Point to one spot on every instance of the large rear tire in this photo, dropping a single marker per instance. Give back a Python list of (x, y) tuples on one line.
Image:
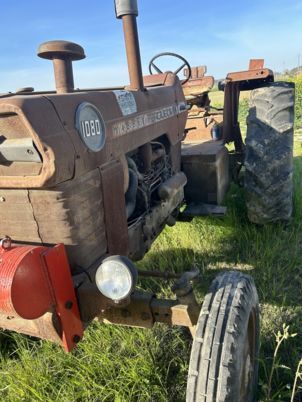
[(269, 153), (224, 357)]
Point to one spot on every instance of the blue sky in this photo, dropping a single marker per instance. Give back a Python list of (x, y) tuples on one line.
[(221, 34)]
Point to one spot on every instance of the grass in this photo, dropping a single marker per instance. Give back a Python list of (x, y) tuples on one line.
[(119, 364)]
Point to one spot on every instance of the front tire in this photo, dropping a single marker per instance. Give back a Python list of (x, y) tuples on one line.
[(224, 357)]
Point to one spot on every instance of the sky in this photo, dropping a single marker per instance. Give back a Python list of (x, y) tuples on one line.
[(223, 35)]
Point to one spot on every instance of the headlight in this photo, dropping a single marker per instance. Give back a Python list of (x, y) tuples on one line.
[(116, 277)]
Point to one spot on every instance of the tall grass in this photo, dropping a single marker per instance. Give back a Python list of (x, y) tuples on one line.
[(120, 364)]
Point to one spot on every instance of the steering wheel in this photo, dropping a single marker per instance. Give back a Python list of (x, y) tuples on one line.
[(184, 64)]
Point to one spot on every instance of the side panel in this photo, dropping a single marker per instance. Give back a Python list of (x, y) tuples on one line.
[(71, 213), (115, 208), (206, 166)]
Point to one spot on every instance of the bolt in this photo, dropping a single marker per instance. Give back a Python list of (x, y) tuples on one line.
[(76, 338), (2, 199), (30, 152), (68, 305), (6, 243)]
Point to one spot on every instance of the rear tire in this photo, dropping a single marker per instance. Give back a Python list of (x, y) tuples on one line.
[(224, 357), (269, 153)]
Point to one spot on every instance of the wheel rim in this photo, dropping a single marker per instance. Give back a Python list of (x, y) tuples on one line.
[(247, 375)]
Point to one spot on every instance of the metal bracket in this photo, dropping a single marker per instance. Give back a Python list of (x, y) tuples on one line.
[(18, 150), (145, 309), (66, 304), (201, 209)]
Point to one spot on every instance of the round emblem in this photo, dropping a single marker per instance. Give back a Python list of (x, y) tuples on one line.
[(90, 126)]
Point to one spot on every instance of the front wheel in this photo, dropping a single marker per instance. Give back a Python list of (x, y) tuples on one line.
[(224, 357)]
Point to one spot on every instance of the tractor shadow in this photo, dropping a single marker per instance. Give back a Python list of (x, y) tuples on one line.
[(272, 254)]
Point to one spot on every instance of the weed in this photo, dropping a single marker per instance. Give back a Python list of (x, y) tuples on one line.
[(281, 336), (298, 376)]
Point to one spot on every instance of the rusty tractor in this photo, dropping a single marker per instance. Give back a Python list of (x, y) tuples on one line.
[(90, 177)]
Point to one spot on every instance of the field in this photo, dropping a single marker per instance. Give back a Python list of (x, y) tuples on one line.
[(119, 364)]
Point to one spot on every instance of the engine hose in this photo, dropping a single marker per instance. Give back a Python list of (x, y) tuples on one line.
[(131, 193), (132, 165)]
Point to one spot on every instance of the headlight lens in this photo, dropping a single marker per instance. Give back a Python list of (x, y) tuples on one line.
[(116, 278)]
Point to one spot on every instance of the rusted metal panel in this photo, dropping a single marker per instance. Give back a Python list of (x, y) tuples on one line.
[(48, 135), (199, 115), (59, 144), (196, 72), (44, 327), (256, 64), (16, 216), (12, 126), (84, 242), (18, 169), (231, 128), (200, 123), (198, 86), (175, 154), (75, 217), (207, 170), (156, 115), (234, 83), (115, 208), (155, 80), (250, 75)]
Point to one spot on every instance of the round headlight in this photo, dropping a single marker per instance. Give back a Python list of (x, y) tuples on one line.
[(116, 277)]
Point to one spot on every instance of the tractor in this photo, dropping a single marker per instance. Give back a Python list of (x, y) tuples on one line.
[(89, 178)]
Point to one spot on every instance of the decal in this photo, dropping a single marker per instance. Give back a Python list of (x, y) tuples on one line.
[(126, 102), (144, 120)]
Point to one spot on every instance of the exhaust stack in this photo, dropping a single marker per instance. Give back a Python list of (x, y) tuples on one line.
[(127, 10)]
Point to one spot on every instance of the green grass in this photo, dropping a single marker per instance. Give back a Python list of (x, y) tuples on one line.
[(120, 364)]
